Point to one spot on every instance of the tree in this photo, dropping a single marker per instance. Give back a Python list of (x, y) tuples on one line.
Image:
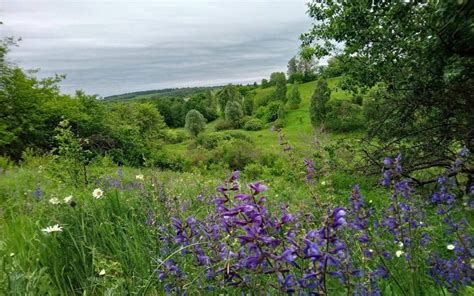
[(248, 105), (280, 91), (292, 67), (265, 83), (195, 122), (295, 98), (275, 77), (233, 113), (227, 94), (317, 107), (422, 53)]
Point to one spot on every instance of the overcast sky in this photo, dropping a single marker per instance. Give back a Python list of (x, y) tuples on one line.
[(108, 47)]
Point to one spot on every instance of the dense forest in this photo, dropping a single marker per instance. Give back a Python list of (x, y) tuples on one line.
[(353, 176)]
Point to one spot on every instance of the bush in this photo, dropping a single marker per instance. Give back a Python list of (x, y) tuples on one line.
[(343, 116), (223, 125), (269, 113), (254, 124), (175, 136), (212, 140), (237, 153)]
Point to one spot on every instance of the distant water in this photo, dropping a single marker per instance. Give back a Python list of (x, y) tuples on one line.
[(109, 47)]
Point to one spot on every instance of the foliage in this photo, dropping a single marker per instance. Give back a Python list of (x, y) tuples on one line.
[(265, 83), (422, 53), (233, 113), (295, 98), (229, 93), (71, 157), (343, 116), (276, 77), (195, 122), (253, 124), (280, 91), (213, 140), (248, 105), (319, 99), (270, 112)]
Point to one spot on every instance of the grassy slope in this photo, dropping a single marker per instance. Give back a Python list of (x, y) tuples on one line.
[(298, 129)]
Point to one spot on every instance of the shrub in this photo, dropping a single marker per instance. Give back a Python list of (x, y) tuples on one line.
[(269, 113), (343, 116), (237, 153), (175, 136), (253, 125), (212, 140), (195, 122), (223, 125)]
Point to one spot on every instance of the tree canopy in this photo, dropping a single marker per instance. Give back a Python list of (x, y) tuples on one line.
[(421, 53)]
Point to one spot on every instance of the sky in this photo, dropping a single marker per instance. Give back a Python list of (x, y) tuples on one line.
[(108, 47)]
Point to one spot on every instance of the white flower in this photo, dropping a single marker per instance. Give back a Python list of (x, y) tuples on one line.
[(54, 228), (97, 193), (450, 247), (323, 183), (140, 177), (399, 253), (12, 254), (68, 199), (371, 251), (370, 201), (54, 201), (400, 244), (102, 272)]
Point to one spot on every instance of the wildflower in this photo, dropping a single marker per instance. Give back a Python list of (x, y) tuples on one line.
[(54, 201), (38, 192), (399, 253), (323, 183), (12, 254), (102, 272), (68, 199), (450, 247), (54, 228), (97, 193), (140, 177), (400, 244)]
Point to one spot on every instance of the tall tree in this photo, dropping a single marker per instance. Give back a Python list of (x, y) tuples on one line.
[(295, 97), (195, 122), (227, 94), (318, 105), (233, 113), (292, 67), (280, 90), (422, 53)]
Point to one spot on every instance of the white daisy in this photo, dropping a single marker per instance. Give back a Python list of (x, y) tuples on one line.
[(54, 201), (140, 177), (68, 199), (97, 193), (450, 247), (54, 228), (399, 253)]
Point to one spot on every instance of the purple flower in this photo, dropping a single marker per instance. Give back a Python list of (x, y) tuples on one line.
[(258, 187)]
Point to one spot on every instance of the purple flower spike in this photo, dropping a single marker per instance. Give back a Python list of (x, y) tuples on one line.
[(258, 187)]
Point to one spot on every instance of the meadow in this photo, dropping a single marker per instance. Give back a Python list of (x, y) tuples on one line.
[(300, 227)]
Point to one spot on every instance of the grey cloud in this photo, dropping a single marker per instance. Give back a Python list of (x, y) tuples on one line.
[(109, 47)]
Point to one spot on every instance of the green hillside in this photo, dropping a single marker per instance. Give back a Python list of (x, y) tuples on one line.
[(298, 129)]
